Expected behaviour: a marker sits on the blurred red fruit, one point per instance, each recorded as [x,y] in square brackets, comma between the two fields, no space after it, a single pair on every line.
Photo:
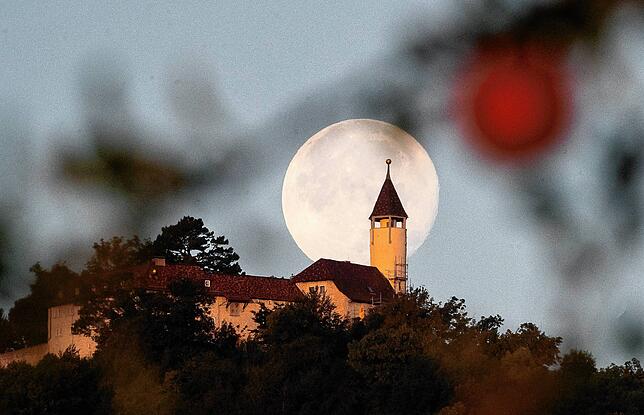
[514,103]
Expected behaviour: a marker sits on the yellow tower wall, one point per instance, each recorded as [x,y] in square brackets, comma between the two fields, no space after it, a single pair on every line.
[388,247]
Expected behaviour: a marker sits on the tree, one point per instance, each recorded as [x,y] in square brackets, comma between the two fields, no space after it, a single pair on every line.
[315,315]
[577,385]
[51,287]
[60,285]
[8,338]
[214,380]
[584,389]
[137,384]
[299,364]
[190,242]
[624,387]
[153,345]
[399,357]
[187,242]
[63,384]
[118,253]
[394,368]
[484,368]
[169,326]
[542,347]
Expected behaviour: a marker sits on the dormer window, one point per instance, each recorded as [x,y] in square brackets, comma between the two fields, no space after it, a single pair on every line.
[317,289]
[234,309]
[206,283]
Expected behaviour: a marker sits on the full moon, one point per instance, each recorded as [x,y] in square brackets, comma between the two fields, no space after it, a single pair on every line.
[334,179]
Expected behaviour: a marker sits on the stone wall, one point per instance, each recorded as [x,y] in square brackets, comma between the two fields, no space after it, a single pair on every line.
[31,355]
[60,321]
[343,305]
[59,327]
[239,314]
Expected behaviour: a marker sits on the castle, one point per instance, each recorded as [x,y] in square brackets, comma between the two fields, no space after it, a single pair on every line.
[353,288]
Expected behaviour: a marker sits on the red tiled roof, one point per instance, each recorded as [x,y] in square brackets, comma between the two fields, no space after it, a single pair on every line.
[233,287]
[361,283]
[247,287]
[388,202]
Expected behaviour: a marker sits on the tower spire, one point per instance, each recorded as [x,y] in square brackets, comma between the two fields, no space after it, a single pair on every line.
[388,239]
[388,202]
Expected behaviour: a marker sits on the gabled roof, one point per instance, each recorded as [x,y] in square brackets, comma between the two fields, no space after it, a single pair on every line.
[388,202]
[240,288]
[247,287]
[361,283]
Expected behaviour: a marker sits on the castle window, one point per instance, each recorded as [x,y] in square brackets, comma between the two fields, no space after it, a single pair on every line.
[234,309]
[313,289]
[322,289]
[59,332]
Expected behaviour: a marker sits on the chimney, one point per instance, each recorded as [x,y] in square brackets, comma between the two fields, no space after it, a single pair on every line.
[158,262]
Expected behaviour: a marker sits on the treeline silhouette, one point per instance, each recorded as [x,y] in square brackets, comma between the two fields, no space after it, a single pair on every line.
[161,352]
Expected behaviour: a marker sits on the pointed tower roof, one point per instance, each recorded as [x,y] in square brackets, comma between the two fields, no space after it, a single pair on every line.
[388,203]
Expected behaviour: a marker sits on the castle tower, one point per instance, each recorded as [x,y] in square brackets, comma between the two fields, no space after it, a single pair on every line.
[388,236]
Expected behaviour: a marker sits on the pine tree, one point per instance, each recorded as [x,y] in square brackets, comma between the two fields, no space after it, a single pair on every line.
[190,242]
